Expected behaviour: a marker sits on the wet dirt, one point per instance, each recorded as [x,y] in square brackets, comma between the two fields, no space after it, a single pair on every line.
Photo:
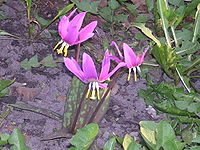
[46,87]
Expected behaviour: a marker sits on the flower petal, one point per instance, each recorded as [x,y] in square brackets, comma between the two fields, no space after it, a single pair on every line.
[62,26]
[77,20]
[122,64]
[116,46]
[103,85]
[141,57]
[89,69]
[130,56]
[71,36]
[73,66]
[105,67]
[86,32]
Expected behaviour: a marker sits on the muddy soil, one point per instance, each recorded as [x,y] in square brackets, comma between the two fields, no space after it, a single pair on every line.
[46,87]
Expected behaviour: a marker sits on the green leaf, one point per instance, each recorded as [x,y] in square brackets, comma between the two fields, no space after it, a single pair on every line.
[141,19]
[134,146]
[3,33]
[64,10]
[164,134]
[140,36]
[121,18]
[195,148]
[162,8]
[113,4]
[4,92]
[29,3]
[5,83]
[147,32]
[85,136]
[106,13]
[150,5]
[196,139]
[18,140]
[89,6]
[187,136]
[197,24]
[127,140]
[28,64]
[4,139]
[182,104]
[48,61]
[175,2]
[132,8]
[147,129]
[41,20]
[110,144]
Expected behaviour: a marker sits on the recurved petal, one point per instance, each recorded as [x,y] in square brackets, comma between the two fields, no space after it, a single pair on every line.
[72,13]
[141,57]
[63,26]
[103,85]
[122,64]
[73,66]
[116,46]
[89,68]
[105,67]
[129,56]
[77,21]
[86,32]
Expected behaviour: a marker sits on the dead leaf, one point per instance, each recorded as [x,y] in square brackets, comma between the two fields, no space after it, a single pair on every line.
[27,93]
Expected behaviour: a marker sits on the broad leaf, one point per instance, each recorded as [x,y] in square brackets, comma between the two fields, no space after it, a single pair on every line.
[18,140]
[110,144]
[147,32]
[5,83]
[85,136]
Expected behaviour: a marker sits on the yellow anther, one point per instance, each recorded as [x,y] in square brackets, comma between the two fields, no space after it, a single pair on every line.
[97,88]
[135,75]
[93,91]
[66,50]
[88,91]
[93,95]
[60,42]
[129,74]
[59,51]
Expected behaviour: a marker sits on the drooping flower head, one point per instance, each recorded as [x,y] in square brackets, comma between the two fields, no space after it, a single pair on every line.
[132,60]
[71,32]
[88,73]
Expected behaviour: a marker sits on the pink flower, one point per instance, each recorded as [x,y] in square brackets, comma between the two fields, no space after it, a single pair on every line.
[88,73]
[132,60]
[71,32]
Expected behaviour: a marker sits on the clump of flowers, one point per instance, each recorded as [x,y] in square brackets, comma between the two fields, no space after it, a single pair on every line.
[88,73]
[132,60]
[71,32]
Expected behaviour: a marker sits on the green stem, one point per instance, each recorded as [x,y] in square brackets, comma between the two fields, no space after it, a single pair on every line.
[111,85]
[197,62]
[78,52]
[174,36]
[182,80]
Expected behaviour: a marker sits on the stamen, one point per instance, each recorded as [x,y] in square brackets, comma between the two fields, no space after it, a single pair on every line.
[66,50]
[138,68]
[60,51]
[93,91]
[57,44]
[88,91]
[97,88]
[135,75]
[129,74]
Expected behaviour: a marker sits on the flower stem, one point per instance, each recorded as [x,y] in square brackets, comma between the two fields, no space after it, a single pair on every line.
[78,52]
[111,85]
